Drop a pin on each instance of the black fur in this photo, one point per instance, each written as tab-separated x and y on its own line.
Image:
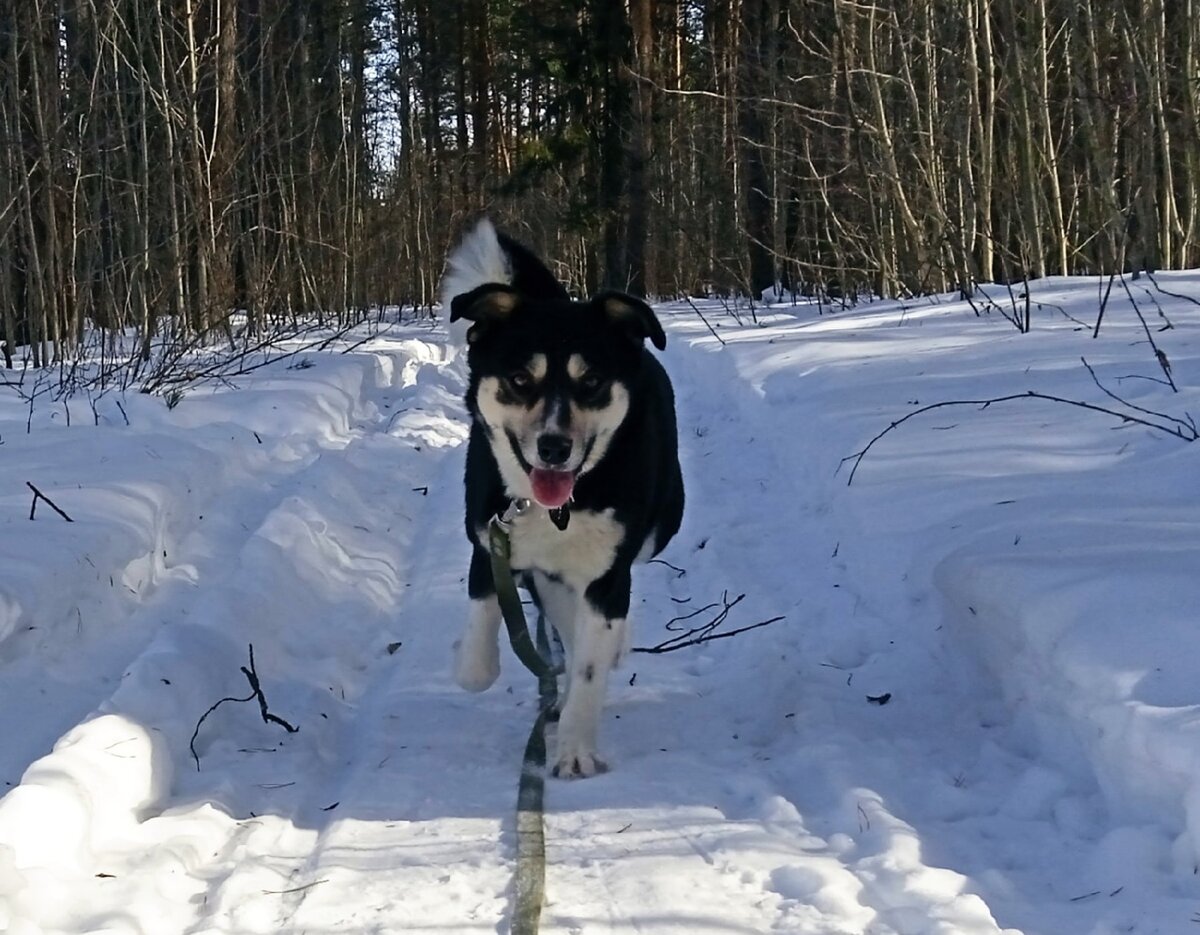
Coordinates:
639	476
529	275
566	401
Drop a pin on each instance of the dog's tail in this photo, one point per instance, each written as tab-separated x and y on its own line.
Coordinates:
479	258
485	255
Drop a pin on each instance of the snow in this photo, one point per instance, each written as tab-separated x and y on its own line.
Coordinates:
1020	582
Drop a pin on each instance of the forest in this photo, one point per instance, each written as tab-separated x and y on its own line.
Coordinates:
169	165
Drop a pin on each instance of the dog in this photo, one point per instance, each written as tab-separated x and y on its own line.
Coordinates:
571	413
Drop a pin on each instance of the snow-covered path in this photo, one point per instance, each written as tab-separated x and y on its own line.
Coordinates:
1019	586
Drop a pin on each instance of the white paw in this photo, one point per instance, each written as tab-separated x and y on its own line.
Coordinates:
577	762
476	664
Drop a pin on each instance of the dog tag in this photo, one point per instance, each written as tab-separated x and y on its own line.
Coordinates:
561	517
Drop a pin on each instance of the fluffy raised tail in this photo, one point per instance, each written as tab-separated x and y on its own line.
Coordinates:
478	259
486	255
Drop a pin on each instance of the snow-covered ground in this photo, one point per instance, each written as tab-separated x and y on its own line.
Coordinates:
1020	584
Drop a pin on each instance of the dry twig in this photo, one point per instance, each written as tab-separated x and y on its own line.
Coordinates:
704	633
256	692
38	495
1182	429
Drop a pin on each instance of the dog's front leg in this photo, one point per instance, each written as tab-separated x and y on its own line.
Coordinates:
560	603
599	632
477	654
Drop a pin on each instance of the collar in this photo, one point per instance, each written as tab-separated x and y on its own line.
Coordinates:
560	516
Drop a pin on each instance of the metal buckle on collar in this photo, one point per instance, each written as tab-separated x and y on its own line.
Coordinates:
516	508
559	516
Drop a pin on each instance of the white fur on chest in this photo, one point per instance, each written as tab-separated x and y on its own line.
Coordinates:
579	554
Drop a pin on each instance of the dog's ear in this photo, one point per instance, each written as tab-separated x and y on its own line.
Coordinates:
489	302
632	315
484	305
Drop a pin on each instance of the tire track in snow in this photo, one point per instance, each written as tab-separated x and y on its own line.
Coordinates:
150	857
425	841
150	501
371	480
663	843
92	608
918	800
759	511
428	781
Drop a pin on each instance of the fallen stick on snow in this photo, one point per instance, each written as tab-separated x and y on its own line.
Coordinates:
705	633
256	692
1183	429
38	495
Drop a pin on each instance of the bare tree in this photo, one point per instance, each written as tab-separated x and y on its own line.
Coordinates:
185	167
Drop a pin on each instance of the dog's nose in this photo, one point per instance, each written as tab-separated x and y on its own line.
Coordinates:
554	449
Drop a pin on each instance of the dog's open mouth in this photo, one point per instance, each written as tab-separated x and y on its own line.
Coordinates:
551	488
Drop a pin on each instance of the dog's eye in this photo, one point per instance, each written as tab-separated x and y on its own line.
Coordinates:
591	382
521	380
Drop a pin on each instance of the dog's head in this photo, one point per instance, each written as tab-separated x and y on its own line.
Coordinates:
552	380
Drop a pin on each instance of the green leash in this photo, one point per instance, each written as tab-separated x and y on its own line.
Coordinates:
529	885
500	551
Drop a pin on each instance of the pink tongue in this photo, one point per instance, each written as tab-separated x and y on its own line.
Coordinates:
551	488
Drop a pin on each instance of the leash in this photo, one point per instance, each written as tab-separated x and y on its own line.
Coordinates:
500	552
529	884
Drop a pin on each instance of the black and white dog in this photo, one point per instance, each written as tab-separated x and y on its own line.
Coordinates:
571	413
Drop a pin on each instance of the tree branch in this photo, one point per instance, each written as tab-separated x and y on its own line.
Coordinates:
256	692
38	495
704	633
1182	430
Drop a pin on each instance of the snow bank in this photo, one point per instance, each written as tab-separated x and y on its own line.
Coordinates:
1092	633
102	621
977	715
